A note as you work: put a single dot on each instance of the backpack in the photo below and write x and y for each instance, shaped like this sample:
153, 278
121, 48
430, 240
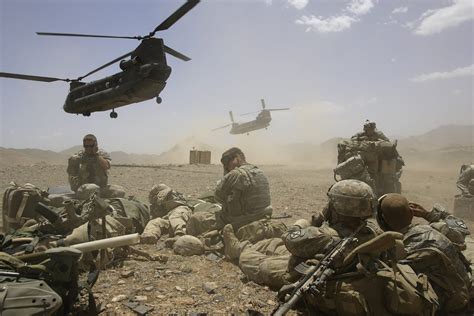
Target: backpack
19, 204
384, 290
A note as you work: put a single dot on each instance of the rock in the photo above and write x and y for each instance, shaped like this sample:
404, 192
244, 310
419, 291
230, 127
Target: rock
148, 288
121, 282
271, 303
127, 274
178, 288
187, 301
119, 298
209, 287
219, 298
161, 297
140, 298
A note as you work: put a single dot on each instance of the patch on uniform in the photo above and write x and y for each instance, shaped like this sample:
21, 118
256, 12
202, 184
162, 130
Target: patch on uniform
296, 234
461, 224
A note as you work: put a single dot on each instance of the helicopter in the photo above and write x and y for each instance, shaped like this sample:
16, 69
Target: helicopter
262, 120
142, 77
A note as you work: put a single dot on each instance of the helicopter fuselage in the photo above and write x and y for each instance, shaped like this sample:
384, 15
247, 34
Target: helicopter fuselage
135, 84
262, 121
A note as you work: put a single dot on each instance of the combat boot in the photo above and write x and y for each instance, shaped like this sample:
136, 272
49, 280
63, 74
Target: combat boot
232, 245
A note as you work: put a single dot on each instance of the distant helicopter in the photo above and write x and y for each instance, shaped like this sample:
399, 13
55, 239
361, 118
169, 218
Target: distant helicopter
143, 76
262, 120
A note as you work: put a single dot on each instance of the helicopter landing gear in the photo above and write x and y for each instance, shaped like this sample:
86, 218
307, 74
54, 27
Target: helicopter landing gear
86, 113
158, 100
113, 114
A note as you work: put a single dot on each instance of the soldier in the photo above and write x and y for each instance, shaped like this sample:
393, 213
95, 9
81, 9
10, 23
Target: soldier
432, 249
89, 166
243, 193
370, 133
466, 180
350, 203
170, 213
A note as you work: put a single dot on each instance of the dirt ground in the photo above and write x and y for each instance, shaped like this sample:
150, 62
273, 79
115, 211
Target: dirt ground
175, 283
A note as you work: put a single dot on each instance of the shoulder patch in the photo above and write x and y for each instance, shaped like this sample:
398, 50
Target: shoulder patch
296, 234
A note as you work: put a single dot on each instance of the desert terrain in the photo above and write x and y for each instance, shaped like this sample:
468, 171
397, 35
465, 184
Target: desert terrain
175, 284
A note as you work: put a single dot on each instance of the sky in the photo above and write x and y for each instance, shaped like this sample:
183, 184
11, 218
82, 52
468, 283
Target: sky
408, 65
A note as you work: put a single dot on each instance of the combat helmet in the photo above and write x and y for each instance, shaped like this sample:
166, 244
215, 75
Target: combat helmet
352, 198
369, 125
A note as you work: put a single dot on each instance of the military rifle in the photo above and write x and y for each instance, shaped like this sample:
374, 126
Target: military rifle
318, 274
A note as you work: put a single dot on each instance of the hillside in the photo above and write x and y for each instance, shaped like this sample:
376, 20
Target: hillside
448, 144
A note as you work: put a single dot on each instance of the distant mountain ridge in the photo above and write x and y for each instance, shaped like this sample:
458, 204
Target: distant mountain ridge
444, 144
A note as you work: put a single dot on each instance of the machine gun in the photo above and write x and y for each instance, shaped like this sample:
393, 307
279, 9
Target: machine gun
318, 274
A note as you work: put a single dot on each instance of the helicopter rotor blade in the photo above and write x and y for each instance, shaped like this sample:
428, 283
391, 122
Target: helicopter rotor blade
282, 109
175, 16
106, 65
30, 77
250, 113
88, 35
215, 129
176, 54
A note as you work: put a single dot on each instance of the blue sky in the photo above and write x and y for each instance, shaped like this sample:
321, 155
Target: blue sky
408, 65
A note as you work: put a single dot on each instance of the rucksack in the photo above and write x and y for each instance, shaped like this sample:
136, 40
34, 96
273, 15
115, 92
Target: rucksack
19, 204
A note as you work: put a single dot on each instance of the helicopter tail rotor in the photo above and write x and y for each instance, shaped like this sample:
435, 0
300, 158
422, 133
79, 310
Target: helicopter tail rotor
263, 103
231, 116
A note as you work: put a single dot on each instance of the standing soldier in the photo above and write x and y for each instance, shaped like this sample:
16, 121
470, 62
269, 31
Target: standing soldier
370, 133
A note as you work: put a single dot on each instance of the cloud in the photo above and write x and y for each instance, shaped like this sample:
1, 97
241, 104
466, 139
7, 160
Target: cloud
400, 10
360, 7
437, 20
331, 24
456, 73
298, 4
349, 15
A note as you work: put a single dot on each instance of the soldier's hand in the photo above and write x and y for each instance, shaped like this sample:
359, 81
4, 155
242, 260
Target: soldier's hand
418, 210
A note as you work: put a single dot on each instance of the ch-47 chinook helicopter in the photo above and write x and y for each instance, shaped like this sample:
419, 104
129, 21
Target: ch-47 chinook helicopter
262, 120
143, 76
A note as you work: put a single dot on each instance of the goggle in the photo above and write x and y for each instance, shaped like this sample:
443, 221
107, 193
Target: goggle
89, 146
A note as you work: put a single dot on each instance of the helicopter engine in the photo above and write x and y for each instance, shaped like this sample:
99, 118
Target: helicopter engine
127, 64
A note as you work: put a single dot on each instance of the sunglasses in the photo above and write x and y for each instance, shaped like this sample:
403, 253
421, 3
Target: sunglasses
89, 146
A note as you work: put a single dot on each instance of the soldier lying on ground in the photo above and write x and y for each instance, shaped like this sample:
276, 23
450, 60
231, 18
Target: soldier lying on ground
351, 203
434, 249
170, 212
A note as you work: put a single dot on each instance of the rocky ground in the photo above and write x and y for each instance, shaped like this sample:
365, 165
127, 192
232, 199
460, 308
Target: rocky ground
176, 284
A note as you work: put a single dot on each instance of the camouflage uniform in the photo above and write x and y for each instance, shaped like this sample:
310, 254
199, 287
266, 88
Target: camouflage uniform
271, 261
83, 168
363, 136
170, 212
465, 180
434, 250
125, 217
244, 194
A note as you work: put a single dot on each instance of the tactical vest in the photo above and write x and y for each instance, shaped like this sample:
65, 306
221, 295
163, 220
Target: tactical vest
253, 203
84, 169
